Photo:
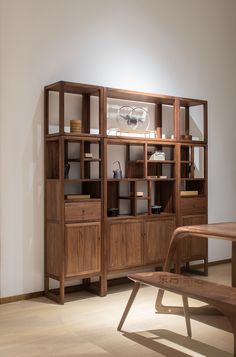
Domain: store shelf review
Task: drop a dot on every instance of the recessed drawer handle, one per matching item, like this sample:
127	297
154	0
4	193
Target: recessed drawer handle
83	211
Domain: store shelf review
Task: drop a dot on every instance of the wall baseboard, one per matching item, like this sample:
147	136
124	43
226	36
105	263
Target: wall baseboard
6	300
111	282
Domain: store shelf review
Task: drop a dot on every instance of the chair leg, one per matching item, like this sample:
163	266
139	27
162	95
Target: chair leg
232	319
187	315
129	304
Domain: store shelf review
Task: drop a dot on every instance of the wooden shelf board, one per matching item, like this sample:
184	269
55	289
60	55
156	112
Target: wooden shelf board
160	161
139	96
85	160
192	179
81	180
69	200
132	140
160	179
133	197
126	179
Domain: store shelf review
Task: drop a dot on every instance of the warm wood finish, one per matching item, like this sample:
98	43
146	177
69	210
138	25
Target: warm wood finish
82	249
82	211
194	247
234	264
53	200
193	205
124	245
157	235
136	237
54	249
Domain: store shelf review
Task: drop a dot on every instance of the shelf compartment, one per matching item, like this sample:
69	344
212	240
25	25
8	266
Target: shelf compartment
199	185
80	102
83	187
156	115
192	123
131	159
163	194
77	166
192	164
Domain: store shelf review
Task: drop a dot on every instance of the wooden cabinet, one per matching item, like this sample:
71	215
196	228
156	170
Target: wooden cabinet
124	241
193	248
82	249
122	170
157	235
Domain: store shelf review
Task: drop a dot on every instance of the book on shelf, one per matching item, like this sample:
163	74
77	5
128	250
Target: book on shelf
188	193
77	197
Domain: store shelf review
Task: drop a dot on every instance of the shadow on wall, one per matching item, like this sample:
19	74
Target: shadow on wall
33	204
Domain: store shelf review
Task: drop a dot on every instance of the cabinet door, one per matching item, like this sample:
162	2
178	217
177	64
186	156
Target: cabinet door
194	247
124	245
82	248
157	235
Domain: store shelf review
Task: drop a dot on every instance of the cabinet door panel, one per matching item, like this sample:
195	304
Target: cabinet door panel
124	245
156	240
194	246
82	248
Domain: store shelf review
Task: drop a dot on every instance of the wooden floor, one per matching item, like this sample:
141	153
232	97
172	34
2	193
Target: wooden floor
86	326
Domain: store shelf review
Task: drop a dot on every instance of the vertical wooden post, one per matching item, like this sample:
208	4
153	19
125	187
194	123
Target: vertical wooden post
205	109
61	108
104	240
103	112
86	113
176	118
192	162
158	120
62	217
186	119
46	111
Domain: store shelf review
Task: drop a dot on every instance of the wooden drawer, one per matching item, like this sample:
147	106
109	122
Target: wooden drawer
196	205
82	211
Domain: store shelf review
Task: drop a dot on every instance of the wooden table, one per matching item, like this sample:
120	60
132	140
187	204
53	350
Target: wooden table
226	231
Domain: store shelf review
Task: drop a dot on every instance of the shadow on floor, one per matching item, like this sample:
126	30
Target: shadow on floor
169	343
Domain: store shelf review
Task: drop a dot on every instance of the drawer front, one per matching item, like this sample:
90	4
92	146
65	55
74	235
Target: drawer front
193	205
82	211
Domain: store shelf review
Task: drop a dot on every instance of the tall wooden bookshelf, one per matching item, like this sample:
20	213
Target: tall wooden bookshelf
99	222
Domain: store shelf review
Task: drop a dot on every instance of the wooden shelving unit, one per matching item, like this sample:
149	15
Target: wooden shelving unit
81	240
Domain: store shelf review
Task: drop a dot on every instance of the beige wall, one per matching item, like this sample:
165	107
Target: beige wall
184	48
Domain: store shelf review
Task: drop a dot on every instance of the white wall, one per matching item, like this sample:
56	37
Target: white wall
184	48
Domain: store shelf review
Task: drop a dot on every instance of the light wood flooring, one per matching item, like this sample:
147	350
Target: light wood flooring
86	326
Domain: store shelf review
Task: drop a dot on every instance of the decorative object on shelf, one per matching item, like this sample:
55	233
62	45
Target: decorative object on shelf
156	209
117	174
77	197
188	193
75	126
163	136
156	156
139	194
66	170
88	155
133	118
185	137
162	177
112	212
